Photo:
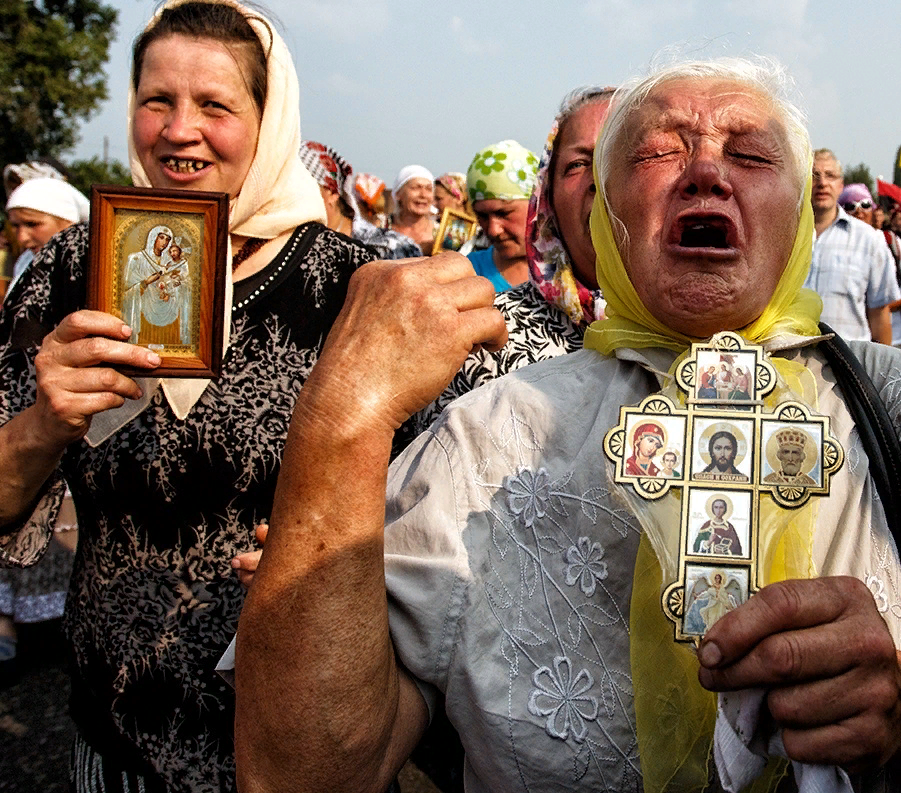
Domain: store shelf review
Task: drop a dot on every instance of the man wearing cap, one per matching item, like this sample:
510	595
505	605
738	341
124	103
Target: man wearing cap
852	269
791	457
500	181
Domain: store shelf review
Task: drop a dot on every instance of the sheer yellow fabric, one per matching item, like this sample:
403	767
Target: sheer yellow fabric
674	715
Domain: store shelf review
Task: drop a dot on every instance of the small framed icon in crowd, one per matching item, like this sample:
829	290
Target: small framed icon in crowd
455	229
158	261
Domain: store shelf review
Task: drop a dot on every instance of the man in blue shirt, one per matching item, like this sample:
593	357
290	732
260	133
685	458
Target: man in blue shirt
852	269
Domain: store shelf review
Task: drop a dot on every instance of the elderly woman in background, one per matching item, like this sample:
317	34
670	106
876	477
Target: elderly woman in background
335	177
413	195
37	209
520	583
500	181
170	477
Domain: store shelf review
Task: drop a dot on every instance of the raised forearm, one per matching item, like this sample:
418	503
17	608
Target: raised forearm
321	704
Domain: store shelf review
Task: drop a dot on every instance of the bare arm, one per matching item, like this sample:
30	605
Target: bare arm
71	387
880	320
321	702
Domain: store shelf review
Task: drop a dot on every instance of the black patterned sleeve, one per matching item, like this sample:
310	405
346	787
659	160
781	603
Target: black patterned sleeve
537	331
52	287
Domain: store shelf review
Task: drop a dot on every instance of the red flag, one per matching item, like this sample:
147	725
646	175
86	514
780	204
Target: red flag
889	189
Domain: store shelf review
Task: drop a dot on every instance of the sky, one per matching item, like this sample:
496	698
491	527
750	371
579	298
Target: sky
393	82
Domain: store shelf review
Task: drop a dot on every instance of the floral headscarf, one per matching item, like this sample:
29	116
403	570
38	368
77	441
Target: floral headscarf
550	268
454	183
369	187
504	171
330	170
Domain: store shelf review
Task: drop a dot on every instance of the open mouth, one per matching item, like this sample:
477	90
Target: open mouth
715	232
180	165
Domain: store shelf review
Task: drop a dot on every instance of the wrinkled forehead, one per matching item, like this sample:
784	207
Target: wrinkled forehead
417	183
822	161
709	106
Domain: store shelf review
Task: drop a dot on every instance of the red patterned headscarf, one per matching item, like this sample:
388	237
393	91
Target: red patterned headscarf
329	169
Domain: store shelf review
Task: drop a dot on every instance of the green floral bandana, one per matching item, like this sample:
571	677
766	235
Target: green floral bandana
504	171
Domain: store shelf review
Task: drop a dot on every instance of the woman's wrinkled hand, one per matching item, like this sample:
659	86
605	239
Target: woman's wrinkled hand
404	331
75	374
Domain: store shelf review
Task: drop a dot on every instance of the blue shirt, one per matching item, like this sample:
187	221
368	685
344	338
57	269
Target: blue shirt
483	264
852	269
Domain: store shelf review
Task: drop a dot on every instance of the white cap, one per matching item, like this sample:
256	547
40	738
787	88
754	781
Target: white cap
52	196
409	172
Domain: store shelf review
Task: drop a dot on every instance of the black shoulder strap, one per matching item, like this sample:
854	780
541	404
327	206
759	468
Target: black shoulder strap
874	425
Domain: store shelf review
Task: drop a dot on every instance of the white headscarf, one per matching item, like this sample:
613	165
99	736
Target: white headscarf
51	196
16	173
278	195
409	172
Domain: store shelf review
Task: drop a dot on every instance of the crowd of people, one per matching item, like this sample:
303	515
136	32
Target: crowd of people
493	580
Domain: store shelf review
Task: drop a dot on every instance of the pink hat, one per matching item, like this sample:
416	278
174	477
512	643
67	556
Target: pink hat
855	192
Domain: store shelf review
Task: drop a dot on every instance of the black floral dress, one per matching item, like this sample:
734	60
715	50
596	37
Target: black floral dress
164	505
537	331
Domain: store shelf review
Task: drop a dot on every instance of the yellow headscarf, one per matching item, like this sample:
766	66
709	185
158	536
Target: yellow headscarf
629	323
675	717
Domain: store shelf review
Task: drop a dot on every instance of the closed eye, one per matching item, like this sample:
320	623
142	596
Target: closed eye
655	155
752	158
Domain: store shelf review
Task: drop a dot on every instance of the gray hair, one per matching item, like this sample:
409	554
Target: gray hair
828	153
579	97
763	75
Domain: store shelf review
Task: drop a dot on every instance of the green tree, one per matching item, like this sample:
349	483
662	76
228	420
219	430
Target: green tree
52	54
84	173
860	173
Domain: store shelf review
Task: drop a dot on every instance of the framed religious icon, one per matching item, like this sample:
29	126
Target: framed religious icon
455	229
158	262
654	446
725	376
